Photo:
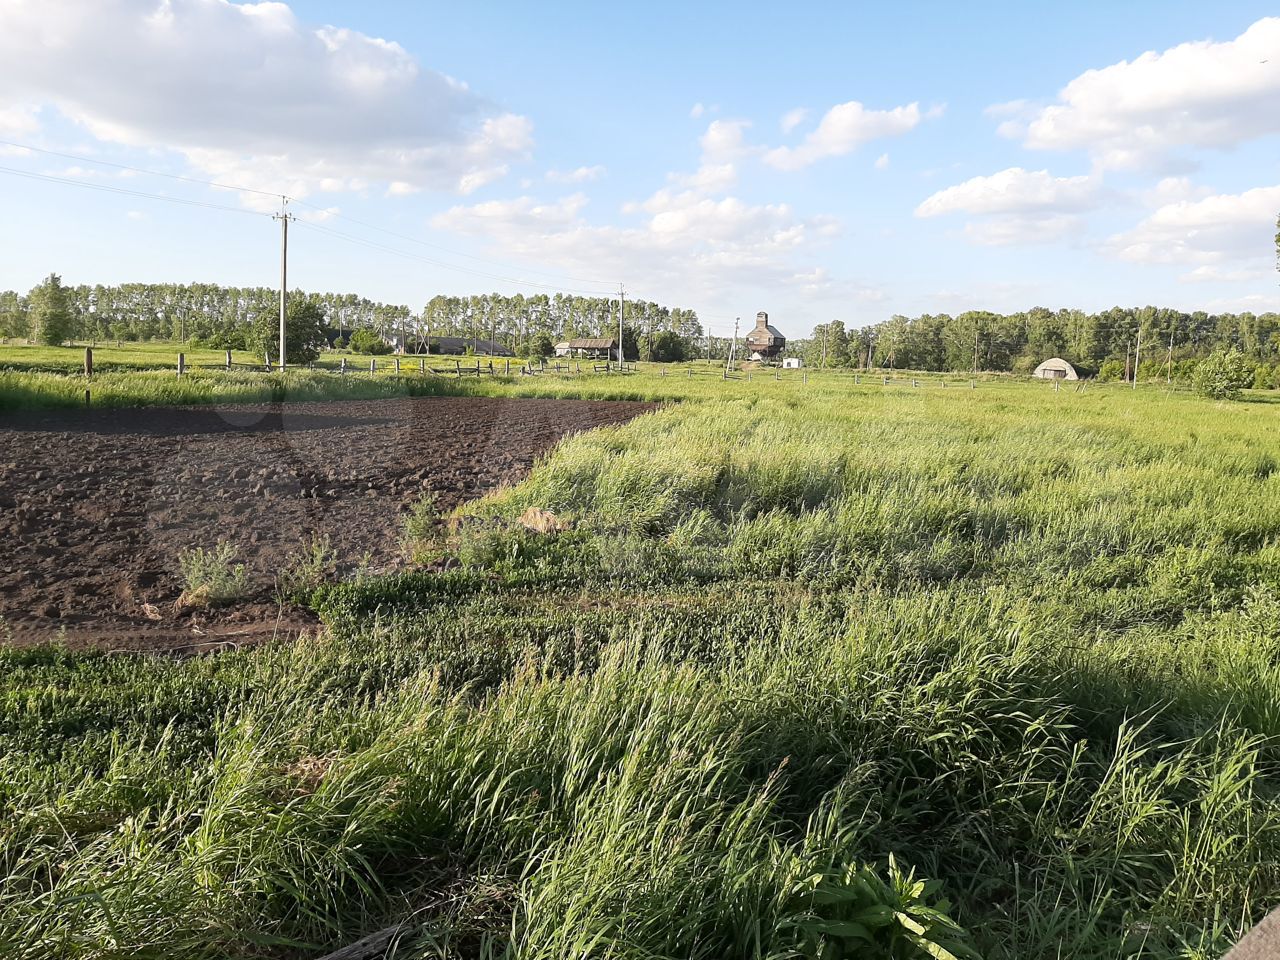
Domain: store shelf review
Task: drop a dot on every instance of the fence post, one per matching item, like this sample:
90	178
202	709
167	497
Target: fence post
508	370
490	367
397	366
915	382
228	361
972	385
373	364
806	378
88	363
944	384
422	365
457	367
182	363
343	368
857	379
886	381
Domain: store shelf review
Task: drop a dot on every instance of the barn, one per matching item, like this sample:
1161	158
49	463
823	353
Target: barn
591	348
1056	368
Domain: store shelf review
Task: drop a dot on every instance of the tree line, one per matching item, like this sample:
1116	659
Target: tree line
1097	344
212	315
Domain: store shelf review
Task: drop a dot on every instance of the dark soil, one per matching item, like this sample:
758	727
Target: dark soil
96	506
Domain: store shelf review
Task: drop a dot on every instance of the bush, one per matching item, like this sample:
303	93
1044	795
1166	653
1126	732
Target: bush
212	576
366	340
1222	375
304	331
307	571
1111	370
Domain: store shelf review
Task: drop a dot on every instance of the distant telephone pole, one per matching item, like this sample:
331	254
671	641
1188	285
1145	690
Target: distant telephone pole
733	347
284	216
622	312
1169	372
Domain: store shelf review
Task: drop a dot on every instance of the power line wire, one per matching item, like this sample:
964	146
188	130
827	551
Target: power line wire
106	188
278	194
143	170
435	246
373	244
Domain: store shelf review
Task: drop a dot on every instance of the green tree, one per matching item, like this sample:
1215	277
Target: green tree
304	330
50	314
366	340
668	347
1223	375
542	346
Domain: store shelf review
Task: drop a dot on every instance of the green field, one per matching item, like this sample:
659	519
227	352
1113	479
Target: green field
797	649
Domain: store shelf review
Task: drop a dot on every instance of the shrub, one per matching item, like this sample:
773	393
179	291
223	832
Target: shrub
419	538
366	340
211	576
307	571
1111	370
1222	375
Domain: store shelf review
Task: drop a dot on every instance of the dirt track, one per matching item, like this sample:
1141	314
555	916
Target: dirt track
95	507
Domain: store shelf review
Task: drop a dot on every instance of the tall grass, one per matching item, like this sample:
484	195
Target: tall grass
844	671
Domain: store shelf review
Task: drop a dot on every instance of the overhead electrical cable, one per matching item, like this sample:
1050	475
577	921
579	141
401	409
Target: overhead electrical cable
107	188
373	244
278	195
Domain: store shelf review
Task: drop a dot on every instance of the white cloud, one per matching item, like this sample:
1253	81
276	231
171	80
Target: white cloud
136	215
18	120
580	175
1238	227
1136	114
723	145
247	88
843	129
687	244
1017	206
1208	273
793	118
696	111
1014	190
882	162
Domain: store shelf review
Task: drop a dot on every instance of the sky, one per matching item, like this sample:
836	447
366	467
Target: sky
818	161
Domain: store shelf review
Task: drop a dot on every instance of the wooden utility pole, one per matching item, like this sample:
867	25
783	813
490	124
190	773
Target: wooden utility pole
284	216
733	347
622	312
1169	372
975	343
822	364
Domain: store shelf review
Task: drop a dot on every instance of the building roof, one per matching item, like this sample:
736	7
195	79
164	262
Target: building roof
592	343
457	346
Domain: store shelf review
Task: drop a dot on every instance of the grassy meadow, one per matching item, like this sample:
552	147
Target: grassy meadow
783	670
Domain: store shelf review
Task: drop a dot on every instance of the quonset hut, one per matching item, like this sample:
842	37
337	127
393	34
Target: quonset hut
764	342
1056	368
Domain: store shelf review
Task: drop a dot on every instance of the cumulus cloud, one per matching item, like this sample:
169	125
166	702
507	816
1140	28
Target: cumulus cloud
249	89
882	162
843	129
1017	205
1014	190
1136	114
580	175
696	111
1237	228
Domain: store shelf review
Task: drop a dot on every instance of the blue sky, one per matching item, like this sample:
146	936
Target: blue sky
820	161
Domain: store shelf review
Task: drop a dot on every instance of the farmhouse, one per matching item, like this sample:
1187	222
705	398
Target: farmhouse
792	363
764	342
1056	369
591	348
457	346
